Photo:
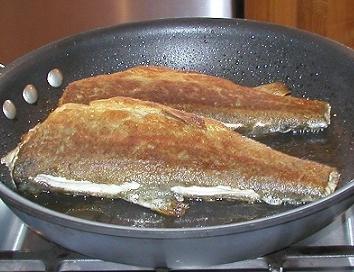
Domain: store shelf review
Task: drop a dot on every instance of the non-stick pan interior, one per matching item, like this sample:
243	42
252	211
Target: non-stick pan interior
246	52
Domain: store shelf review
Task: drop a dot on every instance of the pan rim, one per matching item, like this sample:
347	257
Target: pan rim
46	214
178	22
174	233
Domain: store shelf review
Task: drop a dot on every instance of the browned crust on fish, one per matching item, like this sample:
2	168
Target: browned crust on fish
122	139
265	106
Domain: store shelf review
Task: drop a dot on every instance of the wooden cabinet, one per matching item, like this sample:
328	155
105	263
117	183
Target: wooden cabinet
330	18
26	25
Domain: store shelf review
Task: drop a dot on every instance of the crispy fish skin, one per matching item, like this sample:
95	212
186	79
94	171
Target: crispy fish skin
153	155
254	111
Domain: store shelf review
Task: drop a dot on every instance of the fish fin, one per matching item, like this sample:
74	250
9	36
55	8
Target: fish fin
275	88
9	161
165	204
10	158
188	118
175	208
159	201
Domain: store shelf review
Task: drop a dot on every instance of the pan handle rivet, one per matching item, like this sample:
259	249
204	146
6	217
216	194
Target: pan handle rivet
30	94
55	78
9	109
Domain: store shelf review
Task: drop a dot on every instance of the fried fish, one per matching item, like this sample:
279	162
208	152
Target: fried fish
155	156
256	111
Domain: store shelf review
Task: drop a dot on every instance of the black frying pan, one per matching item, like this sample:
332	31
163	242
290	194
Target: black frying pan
210	233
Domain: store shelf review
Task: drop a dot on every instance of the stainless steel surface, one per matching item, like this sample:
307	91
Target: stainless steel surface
339	233
22	265
2	67
30	94
9	109
13	230
138	10
55	78
331	249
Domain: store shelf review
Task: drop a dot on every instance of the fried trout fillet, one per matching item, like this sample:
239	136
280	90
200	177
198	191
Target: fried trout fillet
154	155
254	111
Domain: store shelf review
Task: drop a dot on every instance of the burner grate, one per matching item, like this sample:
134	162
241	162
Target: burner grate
326	258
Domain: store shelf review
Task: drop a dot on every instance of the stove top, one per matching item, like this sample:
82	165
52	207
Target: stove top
22	249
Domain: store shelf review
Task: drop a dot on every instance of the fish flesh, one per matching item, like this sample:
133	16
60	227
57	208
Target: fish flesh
265	109
156	156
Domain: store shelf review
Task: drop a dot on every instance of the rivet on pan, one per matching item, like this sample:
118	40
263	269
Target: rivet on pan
55	78
30	94
9	109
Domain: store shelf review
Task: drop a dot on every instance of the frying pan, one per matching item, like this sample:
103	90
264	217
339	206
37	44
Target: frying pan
247	52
